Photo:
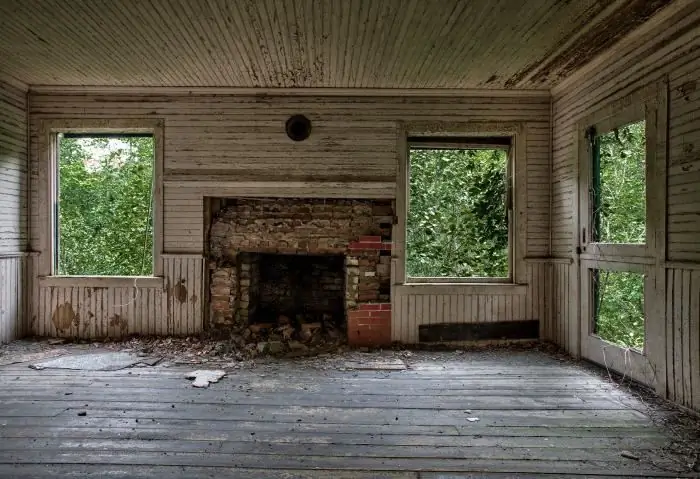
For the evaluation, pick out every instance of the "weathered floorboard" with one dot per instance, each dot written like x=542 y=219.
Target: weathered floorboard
x=470 y=416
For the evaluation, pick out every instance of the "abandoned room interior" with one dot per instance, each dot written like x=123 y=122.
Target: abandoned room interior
x=317 y=238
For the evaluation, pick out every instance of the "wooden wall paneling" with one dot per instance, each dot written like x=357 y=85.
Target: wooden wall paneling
x=417 y=305
x=94 y=308
x=219 y=146
x=665 y=48
x=184 y=282
x=13 y=210
x=13 y=169
x=694 y=339
x=12 y=297
x=683 y=336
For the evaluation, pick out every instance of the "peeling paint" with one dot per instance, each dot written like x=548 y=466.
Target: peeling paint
x=556 y=65
x=64 y=316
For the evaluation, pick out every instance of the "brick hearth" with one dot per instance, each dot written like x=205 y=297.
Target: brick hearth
x=359 y=230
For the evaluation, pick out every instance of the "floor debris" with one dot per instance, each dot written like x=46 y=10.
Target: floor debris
x=379 y=365
x=202 y=377
x=95 y=362
x=629 y=455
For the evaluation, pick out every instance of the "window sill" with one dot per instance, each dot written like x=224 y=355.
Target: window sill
x=464 y=288
x=103 y=281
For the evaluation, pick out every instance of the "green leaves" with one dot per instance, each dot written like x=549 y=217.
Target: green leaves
x=619 y=312
x=457 y=225
x=621 y=212
x=622 y=197
x=105 y=206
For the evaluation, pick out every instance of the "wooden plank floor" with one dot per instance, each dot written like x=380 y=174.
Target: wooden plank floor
x=536 y=415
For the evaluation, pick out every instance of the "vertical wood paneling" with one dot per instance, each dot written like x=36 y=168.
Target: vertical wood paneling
x=12 y=297
x=102 y=310
x=683 y=336
x=412 y=309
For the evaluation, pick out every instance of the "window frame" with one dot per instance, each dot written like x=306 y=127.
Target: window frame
x=48 y=175
x=641 y=107
x=453 y=135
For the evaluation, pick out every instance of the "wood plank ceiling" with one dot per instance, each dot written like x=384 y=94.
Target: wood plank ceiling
x=309 y=43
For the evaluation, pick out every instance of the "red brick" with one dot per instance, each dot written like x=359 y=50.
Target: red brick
x=370 y=307
x=370 y=239
x=380 y=314
x=386 y=306
x=376 y=333
x=358 y=314
x=371 y=246
x=387 y=246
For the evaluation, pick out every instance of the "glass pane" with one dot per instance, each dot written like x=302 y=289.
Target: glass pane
x=619 y=184
x=618 y=299
x=457 y=222
x=105 y=214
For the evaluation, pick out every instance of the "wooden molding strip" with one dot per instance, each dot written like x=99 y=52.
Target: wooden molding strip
x=322 y=91
x=102 y=281
x=461 y=288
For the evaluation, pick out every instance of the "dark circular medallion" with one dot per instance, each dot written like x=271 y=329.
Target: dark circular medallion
x=298 y=127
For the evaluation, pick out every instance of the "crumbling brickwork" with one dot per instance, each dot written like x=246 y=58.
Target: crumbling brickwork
x=359 y=230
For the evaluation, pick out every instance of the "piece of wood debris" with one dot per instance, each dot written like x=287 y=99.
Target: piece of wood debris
x=629 y=455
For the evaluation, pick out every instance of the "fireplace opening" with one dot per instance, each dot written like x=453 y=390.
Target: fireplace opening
x=296 y=290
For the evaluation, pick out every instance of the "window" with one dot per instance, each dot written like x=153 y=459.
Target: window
x=104 y=204
x=618 y=185
x=618 y=307
x=459 y=221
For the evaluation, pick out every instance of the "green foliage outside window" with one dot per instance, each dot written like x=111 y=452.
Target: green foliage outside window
x=621 y=203
x=105 y=222
x=457 y=222
x=619 y=306
x=620 y=217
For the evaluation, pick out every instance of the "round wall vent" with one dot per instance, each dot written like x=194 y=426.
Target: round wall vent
x=298 y=127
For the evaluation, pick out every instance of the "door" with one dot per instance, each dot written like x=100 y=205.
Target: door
x=616 y=260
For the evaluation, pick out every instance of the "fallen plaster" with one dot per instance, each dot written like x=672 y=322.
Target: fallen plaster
x=96 y=362
x=202 y=377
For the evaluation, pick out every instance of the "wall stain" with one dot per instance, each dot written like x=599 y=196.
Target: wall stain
x=64 y=316
x=687 y=88
x=118 y=322
x=180 y=291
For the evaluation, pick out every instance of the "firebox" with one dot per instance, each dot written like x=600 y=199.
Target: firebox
x=297 y=289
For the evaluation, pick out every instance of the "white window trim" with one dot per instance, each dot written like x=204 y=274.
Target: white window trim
x=637 y=107
x=518 y=227
x=48 y=133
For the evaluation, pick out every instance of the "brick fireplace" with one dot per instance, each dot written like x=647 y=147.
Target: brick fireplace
x=302 y=264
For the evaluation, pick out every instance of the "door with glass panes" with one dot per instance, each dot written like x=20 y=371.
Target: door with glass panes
x=615 y=252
